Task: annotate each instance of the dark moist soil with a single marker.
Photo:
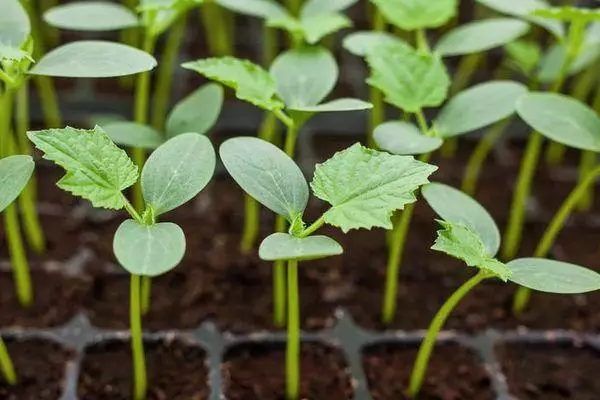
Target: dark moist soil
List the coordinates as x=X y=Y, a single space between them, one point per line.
x=550 y=371
x=454 y=373
x=256 y=372
x=40 y=367
x=175 y=371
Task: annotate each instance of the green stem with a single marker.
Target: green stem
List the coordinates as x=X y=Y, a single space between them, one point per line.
x=216 y=29
x=51 y=34
x=422 y=122
x=292 y=355
x=137 y=343
x=420 y=366
x=18 y=257
x=146 y=294
x=251 y=224
x=377 y=115
x=550 y=234
x=8 y=370
x=422 y=43
x=164 y=80
x=313 y=227
x=586 y=164
x=131 y=37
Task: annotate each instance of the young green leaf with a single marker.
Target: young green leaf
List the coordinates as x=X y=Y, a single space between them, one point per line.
x=93 y=59
x=337 y=105
x=198 y=112
x=364 y=187
x=457 y=207
x=149 y=250
x=132 y=134
x=569 y=14
x=304 y=77
x=408 y=79
x=316 y=27
x=266 y=9
x=250 y=81
x=562 y=119
x=359 y=43
x=403 y=138
x=417 y=14
x=477 y=107
x=177 y=171
x=313 y=8
x=15 y=172
x=283 y=246
x=480 y=36
x=14 y=24
x=266 y=173
x=96 y=169
x=91 y=16
x=553 y=276
x=523 y=56
x=9 y=53
x=461 y=242
x=554 y=59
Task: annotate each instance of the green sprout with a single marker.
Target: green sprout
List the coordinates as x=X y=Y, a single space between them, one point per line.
x=98 y=171
x=470 y=234
x=271 y=177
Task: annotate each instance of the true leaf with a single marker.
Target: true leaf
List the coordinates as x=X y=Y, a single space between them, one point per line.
x=477 y=107
x=461 y=242
x=304 y=77
x=480 y=36
x=316 y=27
x=408 y=79
x=553 y=276
x=96 y=169
x=457 y=207
x=364 y=187
x=283 y=246
x=250 y=81
x=9 y=53
x=132 y=134
x=562 y=119
x=318 y=7
x=177 y=171
x=14 y=24
x=15 y=172
x=149 y=250
x=266 y=9
x=403 y=138
x=337 y=105
x=93 y=59
x=359 y=43
x=267 y=174
x=417 y=14
x=91 y=16
x=569 y=14
x=523 y=56
x=198 y=112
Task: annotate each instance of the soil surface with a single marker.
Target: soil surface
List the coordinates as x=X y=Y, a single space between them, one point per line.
x=550 y=372
x=175 y=371
x=454 y=373
x=39 y=366
x=256 y=372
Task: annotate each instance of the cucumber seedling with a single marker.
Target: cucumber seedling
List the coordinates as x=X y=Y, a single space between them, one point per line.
x=98 y=171
x=387 y=183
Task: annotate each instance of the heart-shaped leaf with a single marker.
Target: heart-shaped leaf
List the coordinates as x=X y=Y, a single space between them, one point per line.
x=177 y=171
x=364 y=187
x=480 y=36
x=91 y=16
x=282 y=246
x=404 y=139
x=93 y=59
x=14 y=24
x=477 y=107
x=359 y=43
x=562 y=119
x=266 y=9
x=149 y=250
x=338 y=105
x=15 y=172
x=313 y=8
x=198 y=112
x=553 y=276
x=132 y=134
x=457 y=207
x=267 y=174
x=417 y=14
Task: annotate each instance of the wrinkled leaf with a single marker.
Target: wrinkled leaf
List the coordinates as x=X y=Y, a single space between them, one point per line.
x=93 y=59
x=403 y=138
x=149 y=250
x=313 y=8
x=364 y=187
x=266 y=173
x=91 y=16
x=177 y=171
x=478 y=106
x=198 y=112
x=14 y=24
x=282 y=246
x=15 y=172
x=132 y=134
x=562 y=119
x=417 y=14
x=457 y=207
x=96 y=169
x=266 y=9
x=408 y=79
x=250 y=81
x=480 y=36
x=338 y=105
x=553 y=276
x=359 y=43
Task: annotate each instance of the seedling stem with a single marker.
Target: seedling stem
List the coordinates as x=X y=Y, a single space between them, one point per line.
x=292 y=361
x=137 y=344
x=8 y=370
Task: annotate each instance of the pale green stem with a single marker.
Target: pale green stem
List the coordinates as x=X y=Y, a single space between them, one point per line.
x=377 y=115
x=137 y=342
x=422 y=43
x=292 y=354
x=8 y=370
x=216 y=30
